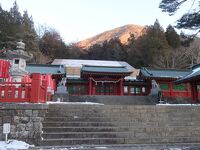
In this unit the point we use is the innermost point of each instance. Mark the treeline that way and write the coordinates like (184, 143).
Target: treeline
(155, 48)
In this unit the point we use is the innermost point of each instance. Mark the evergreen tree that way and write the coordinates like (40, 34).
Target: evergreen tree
(152, 45)
(30, 37)
(52, 45)
(189, 20)
(172, 37)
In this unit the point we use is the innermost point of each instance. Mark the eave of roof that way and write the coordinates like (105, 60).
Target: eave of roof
(171, 74)
(194, 75)
(105, 70)
(45, 69)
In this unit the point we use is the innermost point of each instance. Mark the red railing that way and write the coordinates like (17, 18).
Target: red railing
(33, 92)
(15, 92)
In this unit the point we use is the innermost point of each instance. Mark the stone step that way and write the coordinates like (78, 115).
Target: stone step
(82, 141)
(73, 114)
(83, 129)
(118, 121)
(76, 118)
(77, 124)
(95, 119)
(58, 135)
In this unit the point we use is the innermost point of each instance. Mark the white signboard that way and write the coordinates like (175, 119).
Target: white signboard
(6, 128)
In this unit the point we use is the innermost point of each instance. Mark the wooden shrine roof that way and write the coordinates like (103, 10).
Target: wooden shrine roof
(193, 75)
(45, 69)
(121, 70)
(149, 73)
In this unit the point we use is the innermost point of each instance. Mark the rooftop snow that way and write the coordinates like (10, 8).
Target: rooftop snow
(80, 63)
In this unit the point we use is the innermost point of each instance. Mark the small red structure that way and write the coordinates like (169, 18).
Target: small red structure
(33, 92)
(165, 78)
(192, 78)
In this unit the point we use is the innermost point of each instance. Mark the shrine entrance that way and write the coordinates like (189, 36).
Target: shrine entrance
(105, 88)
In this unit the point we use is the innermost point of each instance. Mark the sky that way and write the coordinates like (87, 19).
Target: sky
(77, 20)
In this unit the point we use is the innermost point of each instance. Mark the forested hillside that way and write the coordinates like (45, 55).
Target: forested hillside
(155, 47)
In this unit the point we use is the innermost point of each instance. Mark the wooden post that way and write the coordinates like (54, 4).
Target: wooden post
(170, 88)
(35, 88)
(194, 92)
(90, 86)
(121, 87)
(188, 89)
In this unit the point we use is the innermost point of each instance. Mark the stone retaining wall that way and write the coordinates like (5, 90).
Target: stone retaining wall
(25, 120)
(115, 100)
(150, 124)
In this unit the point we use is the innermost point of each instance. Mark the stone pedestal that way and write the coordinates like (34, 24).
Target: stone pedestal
(61, 95)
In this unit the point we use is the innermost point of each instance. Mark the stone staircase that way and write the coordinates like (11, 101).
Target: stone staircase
(79, 125)
(76, 124)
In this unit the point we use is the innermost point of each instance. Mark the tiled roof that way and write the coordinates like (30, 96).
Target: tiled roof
(163, 73)
(193, 74)
(105, 69)
(45, 69)
(79, 63)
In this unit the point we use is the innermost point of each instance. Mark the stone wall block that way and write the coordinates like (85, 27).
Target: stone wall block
(13, 135)
(37, 127)
(21, 127)
(28, 113)
(7, 119)
(36, 119)
(35, 113)
(1, 121)
(24, 120)
(19, 112)
(13, 128)
(16, 119)
(24, 135)
(29, 126)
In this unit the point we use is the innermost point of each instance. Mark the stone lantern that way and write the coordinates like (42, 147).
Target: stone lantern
(18, 59)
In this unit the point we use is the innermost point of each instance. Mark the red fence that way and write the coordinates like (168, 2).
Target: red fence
(33, 92)
(15, 92)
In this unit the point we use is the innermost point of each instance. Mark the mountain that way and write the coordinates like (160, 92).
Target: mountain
(123, 33)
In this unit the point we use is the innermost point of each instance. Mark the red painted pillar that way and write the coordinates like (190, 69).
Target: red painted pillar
(43, 95)
(194, 92)
(115, 88)
(35, 88)
(121, 87)
(171, 88)
(188, 89)
(90, 86)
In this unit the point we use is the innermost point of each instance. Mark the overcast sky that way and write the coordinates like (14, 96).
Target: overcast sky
(79, 19)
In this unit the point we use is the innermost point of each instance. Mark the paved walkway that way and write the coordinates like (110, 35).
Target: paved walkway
(125, 147)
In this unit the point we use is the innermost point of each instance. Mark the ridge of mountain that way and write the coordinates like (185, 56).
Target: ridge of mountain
(123, 33)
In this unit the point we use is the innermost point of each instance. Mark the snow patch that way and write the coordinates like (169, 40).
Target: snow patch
(173, 149)
(14, 145)
(76, 148)
(167, 104)
(82, 103)
(101, 147)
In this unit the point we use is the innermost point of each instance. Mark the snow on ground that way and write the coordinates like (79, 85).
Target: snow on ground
(14, 145)
(84, 103)
(167, 104)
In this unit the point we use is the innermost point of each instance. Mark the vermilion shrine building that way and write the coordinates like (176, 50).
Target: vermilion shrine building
(166, 78)
(94, 77)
